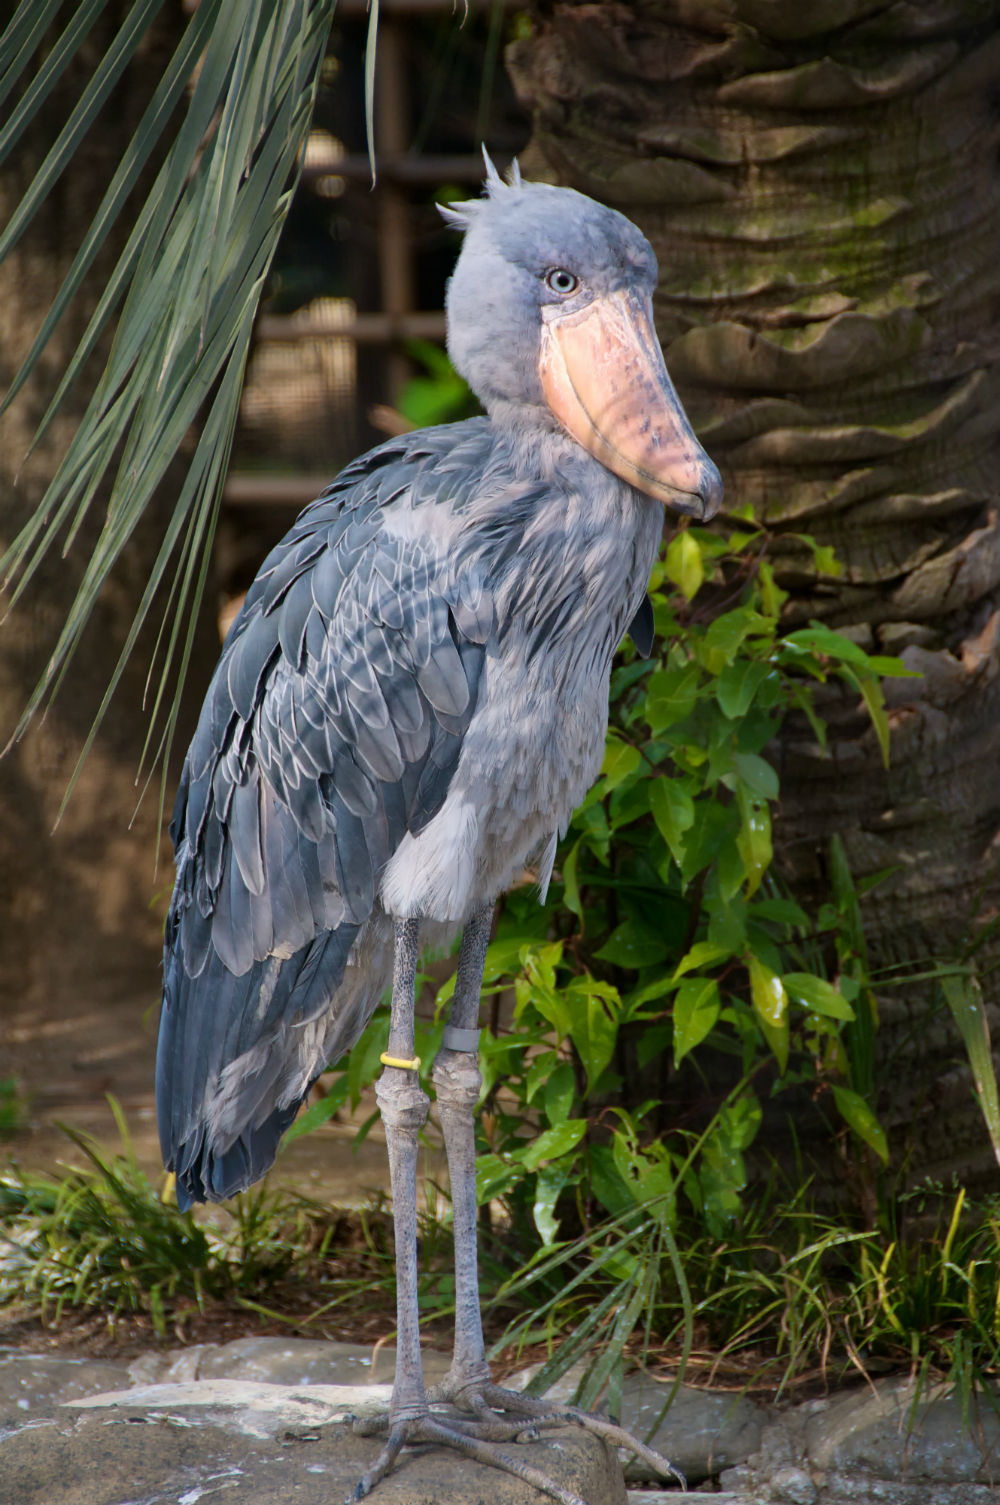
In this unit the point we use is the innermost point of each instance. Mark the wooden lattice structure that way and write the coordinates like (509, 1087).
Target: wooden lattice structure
(324, 378)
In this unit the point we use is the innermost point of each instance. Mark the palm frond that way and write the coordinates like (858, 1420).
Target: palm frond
(184, 291)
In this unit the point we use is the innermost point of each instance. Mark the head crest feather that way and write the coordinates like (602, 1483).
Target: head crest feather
(459, 216)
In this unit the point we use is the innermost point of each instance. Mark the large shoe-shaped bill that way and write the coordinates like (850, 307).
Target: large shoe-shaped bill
(603, 376)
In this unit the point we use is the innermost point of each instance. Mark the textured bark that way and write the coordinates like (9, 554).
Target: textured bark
(820, 183)
(78, 927)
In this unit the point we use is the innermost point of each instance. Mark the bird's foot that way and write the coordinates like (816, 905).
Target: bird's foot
(485, 1399)
(475, 1439)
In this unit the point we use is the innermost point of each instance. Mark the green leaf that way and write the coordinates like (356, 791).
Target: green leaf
(803, 699)
(673, 811)
(552, 1143)
(891, 668)
(657, 1179)
(754, 839)
(826, 560)
(540, 1073)
(871, 693)
(782, 911)
(740, 1120)
(548, 1184)
(715, 828)
(722, 1177)
(828, 644)
(964, 996)
(727, 633)
(318, 1113)
(571, 889)
(560, 1090)
(727, 922)
(671, 695)
(858, 1116)
(614, 1192)
(683, 563)
(493, 1175)
(702, 954)
(633, 944)
(620, 759)
(594, 822)
(772, 597)
(731, 869)
(696, 1011)
(654, 1040)
(738, 684)
(757, 774)
(504, 955)
(593, 1030)
(770, 1004)
(816, 994)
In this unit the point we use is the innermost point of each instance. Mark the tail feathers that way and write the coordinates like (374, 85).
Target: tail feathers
(203, 1175)
(237, 1056)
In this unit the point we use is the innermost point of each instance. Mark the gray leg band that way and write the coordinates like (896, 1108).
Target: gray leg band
(460, 1039)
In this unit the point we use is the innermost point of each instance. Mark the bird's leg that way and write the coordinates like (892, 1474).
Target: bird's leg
(457, 1082)
(403, 1106)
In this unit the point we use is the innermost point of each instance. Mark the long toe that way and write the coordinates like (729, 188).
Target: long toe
(466, 1438)
(485, 1399)
(495, 1457)
(621, 1438)
(383, 1463)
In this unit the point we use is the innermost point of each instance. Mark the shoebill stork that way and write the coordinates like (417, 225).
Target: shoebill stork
(409, 706)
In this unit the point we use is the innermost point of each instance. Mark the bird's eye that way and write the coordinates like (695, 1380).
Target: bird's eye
(561, 281)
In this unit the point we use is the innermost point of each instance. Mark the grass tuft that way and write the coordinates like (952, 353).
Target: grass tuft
(794, 1300)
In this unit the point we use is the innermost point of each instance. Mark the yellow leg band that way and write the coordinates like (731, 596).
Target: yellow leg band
(397, 1061)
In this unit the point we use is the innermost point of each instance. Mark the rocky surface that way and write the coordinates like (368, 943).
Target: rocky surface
(893, 1443)
(148, 1454)
(702, 1432)
(263, 1417)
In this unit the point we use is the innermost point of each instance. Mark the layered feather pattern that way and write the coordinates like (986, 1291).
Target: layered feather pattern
(331, 729)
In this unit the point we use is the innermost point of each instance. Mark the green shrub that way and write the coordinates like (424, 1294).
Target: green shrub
(666, 934)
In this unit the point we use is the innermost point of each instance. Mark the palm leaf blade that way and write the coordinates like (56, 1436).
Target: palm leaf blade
(186, 288)
(45, 80)
(161, 105)
(93, 99)
(21, 39)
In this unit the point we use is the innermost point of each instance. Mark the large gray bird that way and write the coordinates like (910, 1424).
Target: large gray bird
(407, 709)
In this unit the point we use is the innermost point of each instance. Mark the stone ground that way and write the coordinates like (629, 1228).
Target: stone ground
(260, 1421)
(255, 1421)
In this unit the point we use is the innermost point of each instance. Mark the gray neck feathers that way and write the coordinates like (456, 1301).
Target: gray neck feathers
(567, 545)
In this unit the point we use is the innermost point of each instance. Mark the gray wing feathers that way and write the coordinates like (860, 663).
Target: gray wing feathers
(333, 726)
(338, 705)
(642, 628)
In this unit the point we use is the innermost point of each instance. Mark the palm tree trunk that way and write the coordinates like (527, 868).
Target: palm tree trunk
(820, 183)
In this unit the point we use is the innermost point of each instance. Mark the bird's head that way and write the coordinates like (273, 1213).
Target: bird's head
(550, 309)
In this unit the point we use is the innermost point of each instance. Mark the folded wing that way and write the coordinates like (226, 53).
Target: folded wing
(332, 727)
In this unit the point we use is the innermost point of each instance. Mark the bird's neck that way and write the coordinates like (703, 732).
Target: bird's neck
(535, 447)
(586, 540)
